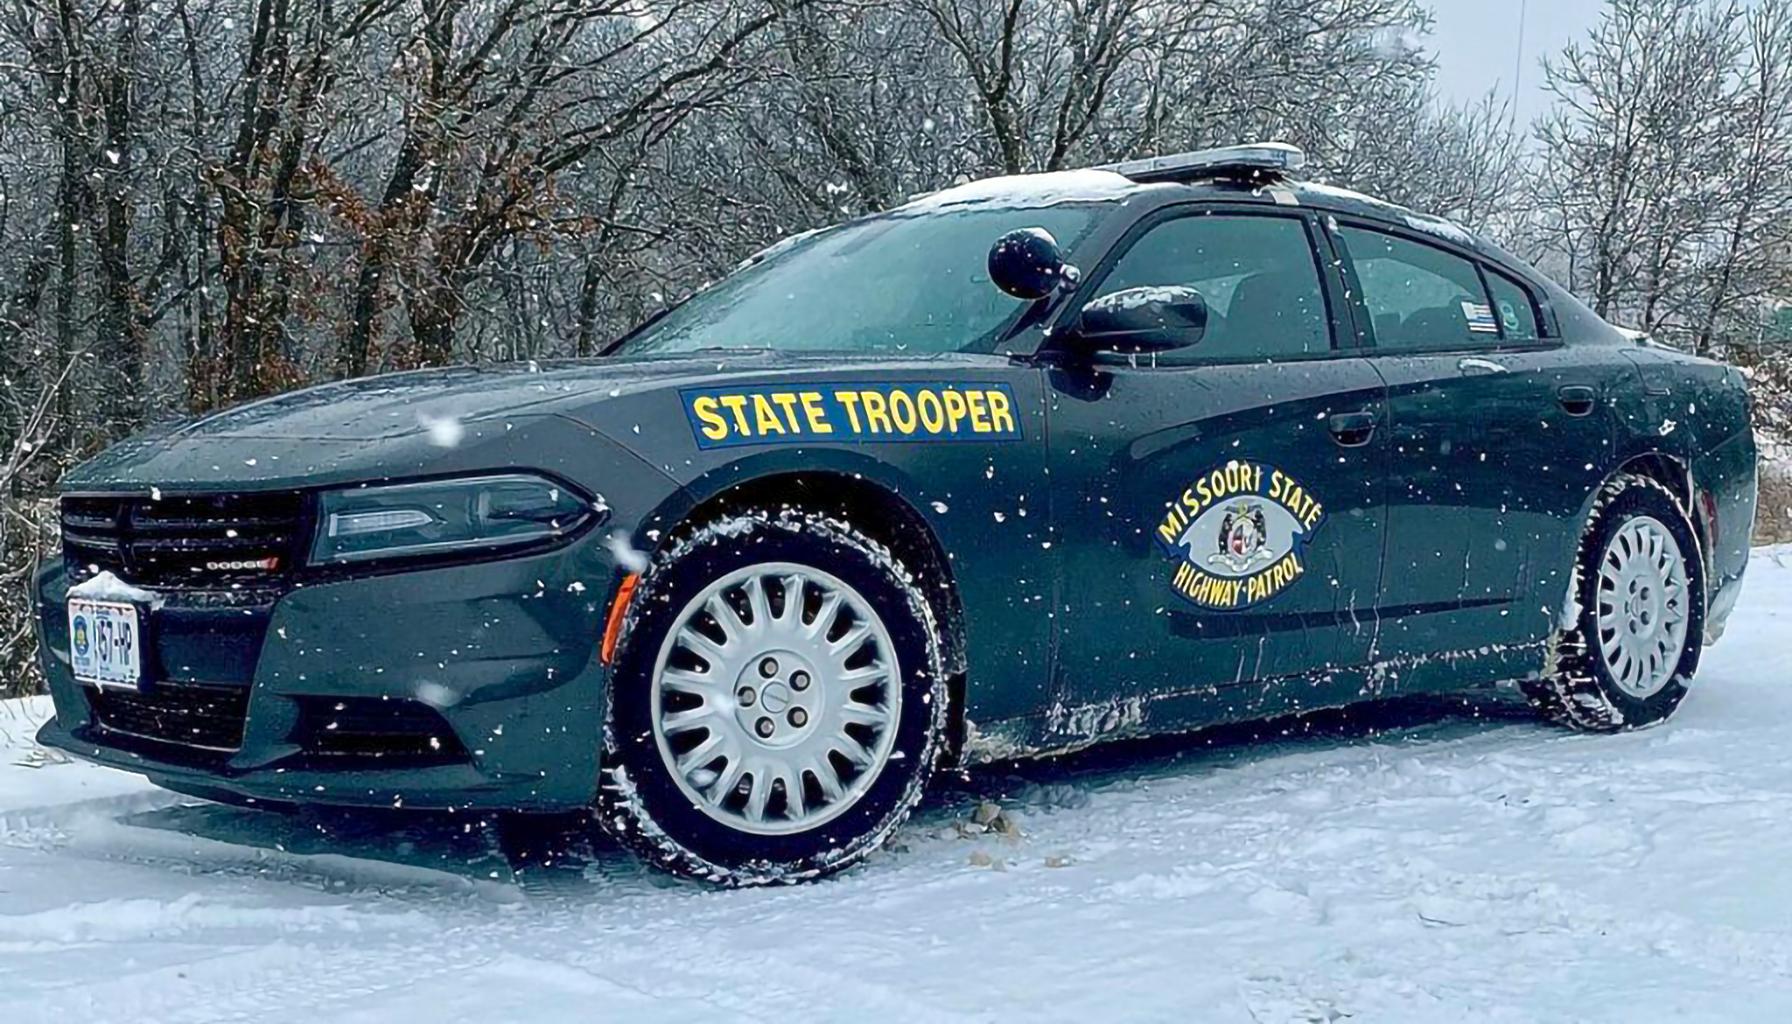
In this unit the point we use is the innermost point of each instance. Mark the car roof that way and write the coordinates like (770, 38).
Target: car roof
(1109, 184)
(1044, 188)
(1106, 184)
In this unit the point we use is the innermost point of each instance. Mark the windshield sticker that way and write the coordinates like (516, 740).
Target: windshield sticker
(1237, 534)
(726, 417)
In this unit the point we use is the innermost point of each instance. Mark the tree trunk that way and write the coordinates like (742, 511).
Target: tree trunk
(587, 343)
(118, 349)
(434, 312)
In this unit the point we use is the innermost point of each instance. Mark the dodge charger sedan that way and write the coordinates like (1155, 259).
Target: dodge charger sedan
(1025, 465)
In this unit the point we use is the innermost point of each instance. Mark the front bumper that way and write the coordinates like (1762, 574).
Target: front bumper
(470, 686)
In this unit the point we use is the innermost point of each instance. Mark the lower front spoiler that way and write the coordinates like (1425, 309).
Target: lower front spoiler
(458, 786)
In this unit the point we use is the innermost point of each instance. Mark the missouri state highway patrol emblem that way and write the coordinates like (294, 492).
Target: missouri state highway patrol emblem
(1237, 534)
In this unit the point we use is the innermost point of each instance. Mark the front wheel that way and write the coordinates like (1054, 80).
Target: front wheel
(777, 702)
(1640, 617)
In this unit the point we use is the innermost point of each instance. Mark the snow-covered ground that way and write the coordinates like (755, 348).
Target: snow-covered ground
(1428, 861)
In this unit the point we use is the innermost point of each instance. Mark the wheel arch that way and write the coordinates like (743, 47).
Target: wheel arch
(1672, 472)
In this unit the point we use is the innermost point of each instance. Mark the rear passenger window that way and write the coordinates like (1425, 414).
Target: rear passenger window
(1419, 296)
(1512, 303)
(1258, 274)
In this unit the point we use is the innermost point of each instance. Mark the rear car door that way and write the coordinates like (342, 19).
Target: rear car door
(1219, 508)
(1497, 434)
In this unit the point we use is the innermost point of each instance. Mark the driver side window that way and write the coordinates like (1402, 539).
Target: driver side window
(1258, 274)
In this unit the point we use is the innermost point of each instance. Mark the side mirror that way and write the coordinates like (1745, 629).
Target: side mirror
(1143, 320)
(1028, 264)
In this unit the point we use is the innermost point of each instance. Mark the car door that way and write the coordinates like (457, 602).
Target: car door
(1497, 434)
(1218, 508)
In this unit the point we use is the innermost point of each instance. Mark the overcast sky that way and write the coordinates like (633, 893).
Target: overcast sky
(1478, 46)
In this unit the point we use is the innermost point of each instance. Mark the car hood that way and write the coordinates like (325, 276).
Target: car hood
(408, 424)
(431, 401)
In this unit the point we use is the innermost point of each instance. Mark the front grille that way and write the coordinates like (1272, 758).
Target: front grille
(190, 714)
(380, 729)
(220, 541)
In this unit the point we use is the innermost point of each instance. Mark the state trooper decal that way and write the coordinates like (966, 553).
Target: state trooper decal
(1237, 534)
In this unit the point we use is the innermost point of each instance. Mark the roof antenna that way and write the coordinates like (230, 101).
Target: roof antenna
(1518, 59)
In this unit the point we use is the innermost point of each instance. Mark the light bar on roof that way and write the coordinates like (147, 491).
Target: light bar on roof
(1255, 160)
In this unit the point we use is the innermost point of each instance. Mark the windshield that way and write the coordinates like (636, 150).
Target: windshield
(902, 282)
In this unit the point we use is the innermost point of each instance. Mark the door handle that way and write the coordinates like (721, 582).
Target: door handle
(1577, 399)
(1352, 429)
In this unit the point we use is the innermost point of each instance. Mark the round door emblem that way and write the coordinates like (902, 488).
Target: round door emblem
(1238, 533)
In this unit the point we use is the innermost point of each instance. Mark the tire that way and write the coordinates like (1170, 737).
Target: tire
(773, 705)
(1595, 683)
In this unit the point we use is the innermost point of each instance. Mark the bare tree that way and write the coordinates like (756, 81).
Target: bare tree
(1628, 154)
(1749, 263)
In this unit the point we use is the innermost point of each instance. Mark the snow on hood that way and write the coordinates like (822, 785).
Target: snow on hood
(1026, 190)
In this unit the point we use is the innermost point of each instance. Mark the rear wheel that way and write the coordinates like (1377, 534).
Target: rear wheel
(777, 703)
(1636, 637)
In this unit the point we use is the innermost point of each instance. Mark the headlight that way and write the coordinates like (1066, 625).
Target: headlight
(484, 513)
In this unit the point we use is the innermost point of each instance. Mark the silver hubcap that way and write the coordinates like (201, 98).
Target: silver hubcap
(1642, 606)
(775, 698)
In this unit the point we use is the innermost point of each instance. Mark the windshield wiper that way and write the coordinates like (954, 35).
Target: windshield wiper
(629, 335)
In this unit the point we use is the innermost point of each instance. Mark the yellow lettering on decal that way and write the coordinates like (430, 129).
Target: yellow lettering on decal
(933, 415)
(1298, 501)
(902, 411)
(1171, 527)
(979, 412)
(850, 399)
(1184, 572)
(1215, 591)
(766, 417)
(787, 404)
(1239, 477)
(1001, 415)
(714, 426)
(955, 410)
(877, 415)
(815, 413)
(737, 404)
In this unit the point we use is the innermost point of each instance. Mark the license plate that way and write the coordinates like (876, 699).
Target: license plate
(105, 641)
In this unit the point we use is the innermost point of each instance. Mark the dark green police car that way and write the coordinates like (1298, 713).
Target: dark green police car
(1019, 467)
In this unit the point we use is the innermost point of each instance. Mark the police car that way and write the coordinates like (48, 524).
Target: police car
(1021, 466)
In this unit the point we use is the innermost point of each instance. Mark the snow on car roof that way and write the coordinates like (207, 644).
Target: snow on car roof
(1439, 226)
(1045, 189)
